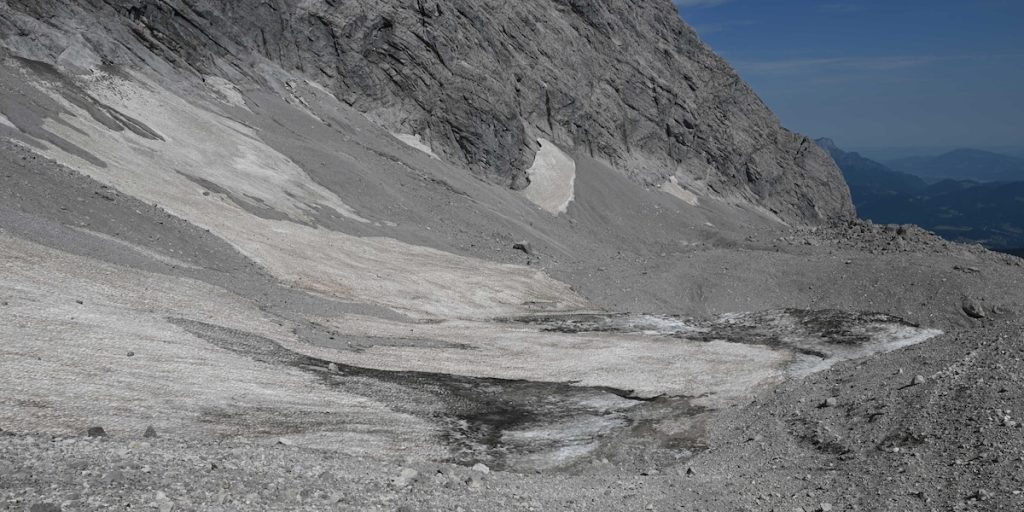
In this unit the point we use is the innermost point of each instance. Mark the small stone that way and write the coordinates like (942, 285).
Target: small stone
(96, 432)
(983, 495)
(406, 477)
(332, 367)
(285, 442)
(825, 507)
(163, 503)
(475, 481)
(113, 477)
(973, 309)
(520, 181)
(523, 246)
(131, 354)
(830, 402)
(150, 432)
(481, 468)
(918, 380)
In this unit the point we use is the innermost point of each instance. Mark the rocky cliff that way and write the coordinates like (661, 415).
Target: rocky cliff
(481, 81)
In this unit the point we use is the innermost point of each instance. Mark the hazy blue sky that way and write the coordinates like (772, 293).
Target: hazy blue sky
(879, 73)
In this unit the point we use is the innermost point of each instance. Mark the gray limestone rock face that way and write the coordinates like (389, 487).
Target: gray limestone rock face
(480, 81)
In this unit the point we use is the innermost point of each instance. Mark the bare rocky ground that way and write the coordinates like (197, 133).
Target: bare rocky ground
(312, 312)
(951, 442)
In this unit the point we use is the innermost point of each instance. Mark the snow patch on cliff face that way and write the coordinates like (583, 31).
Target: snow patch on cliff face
(415, 142)
(673, 188)
(552, 179)
(226, 90)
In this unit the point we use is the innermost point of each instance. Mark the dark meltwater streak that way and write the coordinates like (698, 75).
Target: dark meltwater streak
(525, 425)
(506, 424)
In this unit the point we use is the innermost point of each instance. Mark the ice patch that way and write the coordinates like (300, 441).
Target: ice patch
(7, 122)
(416, 142)
(552, 179)
(673, 187)
(227, 90)
(662, 325)
(719, 372)
(61, 368)
(891, 338)
(201, 144)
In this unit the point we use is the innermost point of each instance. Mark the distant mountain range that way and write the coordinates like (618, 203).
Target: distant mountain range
(870, 181)
(990, 213)
(963, 164)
